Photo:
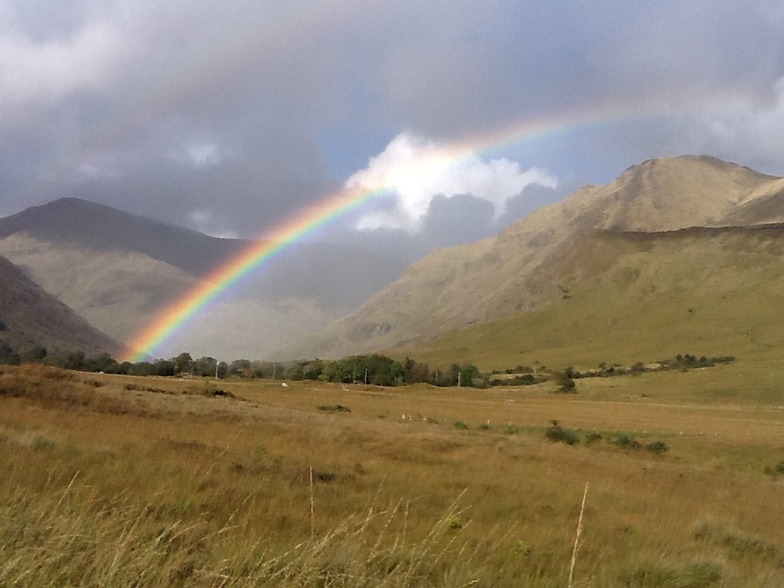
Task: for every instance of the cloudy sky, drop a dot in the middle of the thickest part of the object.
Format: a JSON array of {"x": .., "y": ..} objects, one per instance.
[{"x": 230, "y": 117}]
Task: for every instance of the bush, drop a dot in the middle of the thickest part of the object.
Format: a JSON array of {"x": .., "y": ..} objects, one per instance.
[
  {"x": 334, "y": 408},
  {"x": 775, "y": 471},
  {"x": 519, "y": 380},
  {"x": 558, "y": 434},
  {"x": 462, "y": 425},
  {"x": 565, "y": 383},
  {"x": 593, "y": 438},
  {"x": 628, "y": 442},
  {"x": 657, "y": 447}
]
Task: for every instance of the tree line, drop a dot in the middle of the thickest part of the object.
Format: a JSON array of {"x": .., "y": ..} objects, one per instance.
[{"x": 373, "y": 369}]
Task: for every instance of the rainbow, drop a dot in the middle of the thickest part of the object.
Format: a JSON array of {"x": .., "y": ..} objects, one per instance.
[
  {"x": 229, "y": 54},
  {"x": 173, "y": 318}
]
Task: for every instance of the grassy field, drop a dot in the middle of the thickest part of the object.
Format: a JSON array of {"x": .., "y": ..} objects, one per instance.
[{"x": 114, "y": 481}]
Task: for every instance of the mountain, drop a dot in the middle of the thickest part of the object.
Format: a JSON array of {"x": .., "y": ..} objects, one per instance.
[
  {"x": 119, "y": 270},
  {"x": 522, "y": 271},
  {"x": 628, "y": 297},
  {"x": 86, "y": 225},
  {"x": 30, "y": 317}
]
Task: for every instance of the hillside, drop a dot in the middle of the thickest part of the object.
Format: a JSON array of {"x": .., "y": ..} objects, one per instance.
[
  {"x": 118, "y": 270},
  {"x": 630, "y": 297},
  {"x": 521, "y": 271},
  {"x": 30, "y": 317}
]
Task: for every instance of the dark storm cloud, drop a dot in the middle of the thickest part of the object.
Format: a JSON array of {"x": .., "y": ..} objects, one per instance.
[{"x": 231, "y": 117}]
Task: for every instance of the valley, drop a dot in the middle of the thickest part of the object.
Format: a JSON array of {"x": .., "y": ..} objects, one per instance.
[
  {"x": 663, "y": 287},
  {"x": 205, "y": 483}
]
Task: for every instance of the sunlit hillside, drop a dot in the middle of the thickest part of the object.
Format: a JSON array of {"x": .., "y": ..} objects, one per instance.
[
  {"x": 555, "y": 254},
  {"x": 633, "y": 297}
]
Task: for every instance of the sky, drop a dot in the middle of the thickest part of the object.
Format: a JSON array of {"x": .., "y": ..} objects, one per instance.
[{"x": 230, "y": 117}]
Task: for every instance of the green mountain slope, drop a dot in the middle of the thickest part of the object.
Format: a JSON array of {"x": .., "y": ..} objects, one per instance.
[
  {"x": 629, "y": 297},
  {"x": 521, "y": 270}
]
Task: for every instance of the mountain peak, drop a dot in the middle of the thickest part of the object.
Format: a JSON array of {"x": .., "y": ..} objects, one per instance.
[
  {"x": 87, "y": 224},
  {"x": 671, "y": 193}
]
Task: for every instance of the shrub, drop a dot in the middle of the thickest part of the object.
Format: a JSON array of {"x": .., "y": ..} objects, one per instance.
[
  {"x": 462, "y": 425},
  {"x": 628, "y": 442},
  {"x": 775, "y": 471},
  {"x": 334, "y": 408},
  {"x": 657, "y": 447},
  {"x": 565, "y": 383},
  {"x": 558, "y": 434},
  {"x": 518, "y": 380},
  {"x": 593, "y": 438},
  {"x": 41, "y": 443}
]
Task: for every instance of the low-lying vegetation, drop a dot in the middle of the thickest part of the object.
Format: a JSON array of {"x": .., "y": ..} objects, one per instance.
[
  {"x": 556, "y": 433},
  {"x": 116, "y": 480}
]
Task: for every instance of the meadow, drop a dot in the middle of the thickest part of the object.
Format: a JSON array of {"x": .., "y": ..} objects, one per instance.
[{"x": 118, "y": 481}]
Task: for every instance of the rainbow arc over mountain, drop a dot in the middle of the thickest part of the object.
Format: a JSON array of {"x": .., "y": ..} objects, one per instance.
[{"x": 176, "y": 316}]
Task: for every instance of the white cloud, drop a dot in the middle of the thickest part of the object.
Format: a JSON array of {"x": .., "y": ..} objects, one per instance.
[
  {"x": 741, "y": 131},
  {"x": 47, "y": 71},
  {"x": 205, "y": 222},
  {"x": 201, "y": 155},
  {"x": 417, "y": 170}
]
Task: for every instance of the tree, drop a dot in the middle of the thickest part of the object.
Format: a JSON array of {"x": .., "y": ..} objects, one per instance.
[
  {"x": 205, "y": 366},
  {"x": 74, "y": 361},
  {"x": 313, "y": 370},
  {"x": 141, "y": 368},
  {"x": 164, "y": 367},
  {"x": 102, "y": 363},
  {"x": 7, "y": 354},
  {"x": 36, "y": 354},
  {"x": 470, "y": 376},
  {"x": 183, "y": 363},
  {"x": 241, "y": 368}
]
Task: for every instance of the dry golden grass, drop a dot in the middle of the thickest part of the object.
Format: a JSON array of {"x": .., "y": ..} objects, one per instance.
[{"x": 112, "y": 480}]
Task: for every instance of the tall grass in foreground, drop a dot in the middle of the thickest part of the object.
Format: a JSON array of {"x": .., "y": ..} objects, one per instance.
[
  {"x": 112, "y": 481},
  {"x": 71, "y": 536}
]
